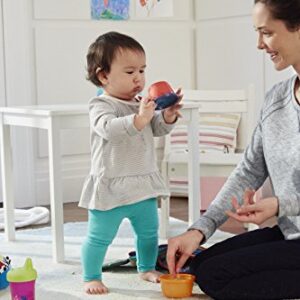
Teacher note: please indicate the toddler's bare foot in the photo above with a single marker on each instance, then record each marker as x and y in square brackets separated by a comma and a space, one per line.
[95, 287]
[152, 276]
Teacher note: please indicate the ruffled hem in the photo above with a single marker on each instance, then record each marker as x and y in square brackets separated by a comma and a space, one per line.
[106, 193]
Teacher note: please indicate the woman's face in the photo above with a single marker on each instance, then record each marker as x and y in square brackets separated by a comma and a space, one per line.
[282, 45]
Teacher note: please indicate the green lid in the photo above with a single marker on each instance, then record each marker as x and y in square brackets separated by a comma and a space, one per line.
[23, 274]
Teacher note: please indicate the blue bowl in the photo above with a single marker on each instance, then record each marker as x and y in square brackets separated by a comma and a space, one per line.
[3, 282]
[165, 101]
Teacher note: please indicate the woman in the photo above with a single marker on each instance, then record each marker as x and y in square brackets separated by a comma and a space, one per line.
[265, 263]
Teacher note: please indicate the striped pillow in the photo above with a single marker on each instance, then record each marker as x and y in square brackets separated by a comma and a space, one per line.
[217, 133]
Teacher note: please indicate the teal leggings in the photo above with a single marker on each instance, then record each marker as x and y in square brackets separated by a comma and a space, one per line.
[103, 227]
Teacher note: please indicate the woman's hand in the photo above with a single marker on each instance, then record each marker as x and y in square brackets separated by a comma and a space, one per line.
[171, 113]
[251, 212]
[182, 246]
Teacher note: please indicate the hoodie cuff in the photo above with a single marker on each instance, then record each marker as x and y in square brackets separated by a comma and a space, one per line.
[206, 226]
[288, 206]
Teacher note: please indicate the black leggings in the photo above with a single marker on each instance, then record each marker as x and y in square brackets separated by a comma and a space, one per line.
[256, 265]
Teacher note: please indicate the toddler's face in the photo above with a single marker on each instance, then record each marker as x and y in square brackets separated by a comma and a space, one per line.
[127, 75]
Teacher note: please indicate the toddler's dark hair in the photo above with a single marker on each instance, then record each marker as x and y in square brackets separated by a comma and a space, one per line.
[102, 52]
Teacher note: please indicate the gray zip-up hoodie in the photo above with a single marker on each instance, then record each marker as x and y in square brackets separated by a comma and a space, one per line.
[274, 151]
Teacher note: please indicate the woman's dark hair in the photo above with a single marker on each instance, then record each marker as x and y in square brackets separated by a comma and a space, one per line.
[102, 52]
[287, 11]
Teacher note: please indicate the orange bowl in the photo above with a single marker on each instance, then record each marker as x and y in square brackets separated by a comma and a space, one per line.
[177, 286]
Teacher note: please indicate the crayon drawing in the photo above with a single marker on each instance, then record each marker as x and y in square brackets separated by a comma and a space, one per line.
[154, 8]
[109, 9]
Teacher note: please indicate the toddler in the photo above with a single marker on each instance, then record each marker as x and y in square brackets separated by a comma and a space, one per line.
[124, 180]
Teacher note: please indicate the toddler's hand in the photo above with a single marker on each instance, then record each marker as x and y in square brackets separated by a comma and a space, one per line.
[146, 113]
[171, 113]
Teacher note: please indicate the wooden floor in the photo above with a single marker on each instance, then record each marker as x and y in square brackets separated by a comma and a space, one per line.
[178, 209]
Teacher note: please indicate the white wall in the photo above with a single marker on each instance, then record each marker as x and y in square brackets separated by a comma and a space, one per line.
[2, 67]
[42, 61]
[19, 90]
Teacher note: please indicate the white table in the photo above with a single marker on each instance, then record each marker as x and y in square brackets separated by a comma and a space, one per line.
[53, 118]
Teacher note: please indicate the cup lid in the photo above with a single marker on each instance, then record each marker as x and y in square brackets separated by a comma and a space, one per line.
[159, 88]
[22, 274]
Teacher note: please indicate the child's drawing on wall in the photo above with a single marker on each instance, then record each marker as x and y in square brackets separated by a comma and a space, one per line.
[154, 8]
[109, 9]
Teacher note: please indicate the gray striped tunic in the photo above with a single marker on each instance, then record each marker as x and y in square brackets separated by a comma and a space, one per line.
[274, 151]
[123, 160]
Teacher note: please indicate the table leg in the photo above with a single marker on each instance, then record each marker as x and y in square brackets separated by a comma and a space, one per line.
[164, 217]
[56, 199]
[164, 204]
[7, 181]
[194, 199]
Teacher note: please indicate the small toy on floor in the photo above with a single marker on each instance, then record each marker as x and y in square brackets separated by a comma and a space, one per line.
[163, 95]
[4, 268]
[161, 262]
[22, 281]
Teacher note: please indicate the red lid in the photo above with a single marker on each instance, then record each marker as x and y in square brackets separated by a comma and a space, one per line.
[159, 88]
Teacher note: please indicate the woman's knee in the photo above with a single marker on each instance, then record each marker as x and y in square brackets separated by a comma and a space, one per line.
[204, 273]
[212, 275]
